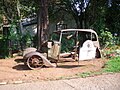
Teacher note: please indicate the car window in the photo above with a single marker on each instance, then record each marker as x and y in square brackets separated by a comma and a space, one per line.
[94, 38]
[67, 41]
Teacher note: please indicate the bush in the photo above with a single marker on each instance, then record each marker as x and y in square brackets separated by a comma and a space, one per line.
[111, 51]
[106, 39]
[10, 42]
[27, 40]
[4, 49]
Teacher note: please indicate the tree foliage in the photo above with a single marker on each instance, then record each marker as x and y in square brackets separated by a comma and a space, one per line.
[100, 15]
[9, 9]
[86, 13]
[113, 17]
[76, 8]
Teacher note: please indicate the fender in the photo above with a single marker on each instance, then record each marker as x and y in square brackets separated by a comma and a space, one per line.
[28, 50]
[45, 60]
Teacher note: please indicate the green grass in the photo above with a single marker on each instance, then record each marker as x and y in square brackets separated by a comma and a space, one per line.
[87, 74]
[113, 65]
[84, 74]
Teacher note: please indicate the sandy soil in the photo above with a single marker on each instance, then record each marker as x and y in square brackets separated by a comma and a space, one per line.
[14, 69]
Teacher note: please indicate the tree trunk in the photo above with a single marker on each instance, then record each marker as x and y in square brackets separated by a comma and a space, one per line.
[43, 23]
[20, 23]
[79, 21]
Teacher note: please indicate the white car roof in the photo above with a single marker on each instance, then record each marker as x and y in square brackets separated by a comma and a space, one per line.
[84, 30]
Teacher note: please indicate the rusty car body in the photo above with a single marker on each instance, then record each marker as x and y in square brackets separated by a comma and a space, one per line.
[65, 45]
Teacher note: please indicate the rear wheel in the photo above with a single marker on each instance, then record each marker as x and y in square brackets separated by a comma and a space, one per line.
[35, 62]
[98, 55]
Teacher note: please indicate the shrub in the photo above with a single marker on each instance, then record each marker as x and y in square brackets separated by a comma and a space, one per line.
[111, 51]
[106, 38]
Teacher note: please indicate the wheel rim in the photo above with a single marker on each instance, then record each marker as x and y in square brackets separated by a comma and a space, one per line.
[34, 62]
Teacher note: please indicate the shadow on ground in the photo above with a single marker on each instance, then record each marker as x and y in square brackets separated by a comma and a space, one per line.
[24, 67]
[69, 66]
[21, 67]
[19, 60]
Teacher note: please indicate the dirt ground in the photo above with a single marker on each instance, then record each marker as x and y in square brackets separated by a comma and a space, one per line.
[14, 69]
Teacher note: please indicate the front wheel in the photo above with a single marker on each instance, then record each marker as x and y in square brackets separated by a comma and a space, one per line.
[35, 62]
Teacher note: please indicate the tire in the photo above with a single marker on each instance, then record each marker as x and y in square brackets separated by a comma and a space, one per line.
[35, 62]
[98, 55]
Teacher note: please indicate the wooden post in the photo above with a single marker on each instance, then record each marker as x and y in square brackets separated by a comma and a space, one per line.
[6, 34]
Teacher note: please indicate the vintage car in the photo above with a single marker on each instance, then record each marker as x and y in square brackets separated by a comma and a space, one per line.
[64, 45]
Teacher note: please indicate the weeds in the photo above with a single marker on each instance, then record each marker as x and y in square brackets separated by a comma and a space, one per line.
[113, 65]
